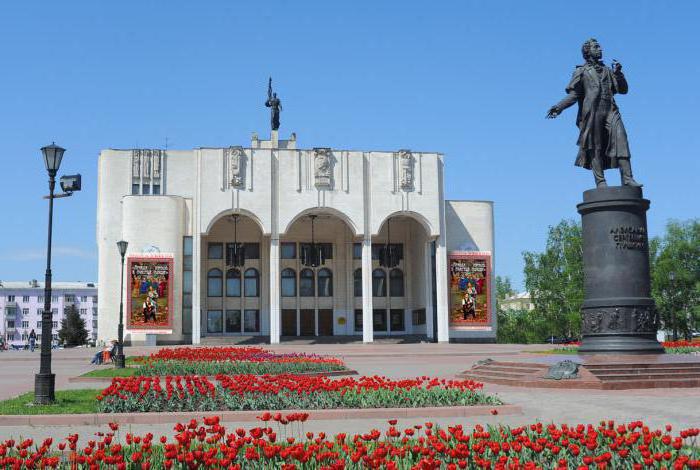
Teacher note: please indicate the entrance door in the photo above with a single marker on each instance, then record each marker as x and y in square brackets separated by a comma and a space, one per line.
[289, 322]
[307, 323]
[233, 321]
[325, 322]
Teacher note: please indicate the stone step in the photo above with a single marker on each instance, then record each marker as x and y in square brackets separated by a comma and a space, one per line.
[519, 364]
[649, 376]
[490, 379]
[500, 367]
[668, 365]
[669, 370]
[653, 383]
[495, 374]
[537, 382]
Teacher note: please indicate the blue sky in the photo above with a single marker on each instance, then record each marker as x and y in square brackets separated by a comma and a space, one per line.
[471, 79]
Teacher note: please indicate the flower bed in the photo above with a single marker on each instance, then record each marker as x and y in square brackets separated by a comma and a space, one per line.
[234, 360]
[671, 347]
[211, 445]
[682, 347]
[281, 392]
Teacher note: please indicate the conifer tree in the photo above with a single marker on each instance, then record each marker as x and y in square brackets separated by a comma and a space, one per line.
[73, 331]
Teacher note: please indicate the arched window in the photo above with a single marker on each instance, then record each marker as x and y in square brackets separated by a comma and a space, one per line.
[214, 282]
[396, 283]
[289, 283]
[233, 283]
[251, 282]
[378, 283]
[306, 283]
[357, 281]
[325, 283]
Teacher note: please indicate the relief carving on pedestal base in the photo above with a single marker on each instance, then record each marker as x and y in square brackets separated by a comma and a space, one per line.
[640, 319]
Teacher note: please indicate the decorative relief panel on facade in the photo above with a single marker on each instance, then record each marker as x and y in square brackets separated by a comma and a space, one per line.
[323, 168]
[156, 163]
[236, 162]
[146, 163]
[135, 164]
[406, 170]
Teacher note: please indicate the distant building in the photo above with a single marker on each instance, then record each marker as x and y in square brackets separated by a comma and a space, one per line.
[520, 301]
[22, 304]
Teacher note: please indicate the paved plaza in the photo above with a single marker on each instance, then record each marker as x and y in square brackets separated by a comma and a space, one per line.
[657, 407]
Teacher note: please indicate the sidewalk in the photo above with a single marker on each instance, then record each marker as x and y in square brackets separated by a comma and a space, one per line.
[656, 407]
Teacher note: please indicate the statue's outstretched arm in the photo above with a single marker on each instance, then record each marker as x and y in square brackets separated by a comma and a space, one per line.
[556, 110]
[568, 100]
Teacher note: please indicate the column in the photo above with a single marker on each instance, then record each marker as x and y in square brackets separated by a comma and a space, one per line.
[367, 318]
[428, 286]
[443, 310]
[196, 287]
[274, 290]
[197, 256]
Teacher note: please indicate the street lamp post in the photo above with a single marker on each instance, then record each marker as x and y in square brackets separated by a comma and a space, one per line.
[119, 358]
[44, 381]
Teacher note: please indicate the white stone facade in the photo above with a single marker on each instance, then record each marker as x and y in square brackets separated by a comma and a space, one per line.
[170, 200]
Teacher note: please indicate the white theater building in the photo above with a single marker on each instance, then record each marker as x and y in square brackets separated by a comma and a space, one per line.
[181, 204]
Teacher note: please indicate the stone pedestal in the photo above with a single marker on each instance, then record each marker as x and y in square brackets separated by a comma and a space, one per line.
[619, 315]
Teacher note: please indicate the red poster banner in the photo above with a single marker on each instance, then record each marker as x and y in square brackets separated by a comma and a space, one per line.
[470, 288]
[150, 293]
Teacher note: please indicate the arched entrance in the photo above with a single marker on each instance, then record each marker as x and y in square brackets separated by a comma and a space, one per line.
[402, 277]
[315, 291]
[234, 258]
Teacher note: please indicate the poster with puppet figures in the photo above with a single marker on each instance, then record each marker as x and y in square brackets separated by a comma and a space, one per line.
[149, 293]
[470, 288]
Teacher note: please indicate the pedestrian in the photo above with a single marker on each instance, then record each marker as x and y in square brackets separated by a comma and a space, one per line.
[32, 340]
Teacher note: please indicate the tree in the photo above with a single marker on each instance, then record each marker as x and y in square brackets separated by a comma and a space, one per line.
[554, 279]
[503, 288]
[72, 332]
[675, 276]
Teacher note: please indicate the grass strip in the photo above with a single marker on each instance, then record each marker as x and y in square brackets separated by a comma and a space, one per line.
[77, 401]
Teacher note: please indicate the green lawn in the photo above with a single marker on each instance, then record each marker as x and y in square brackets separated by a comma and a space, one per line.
[67, 401]
[111, 371]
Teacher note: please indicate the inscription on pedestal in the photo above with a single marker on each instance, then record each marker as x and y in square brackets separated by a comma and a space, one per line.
[629, 237]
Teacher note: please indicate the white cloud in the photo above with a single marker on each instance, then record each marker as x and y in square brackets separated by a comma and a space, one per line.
[57, 251]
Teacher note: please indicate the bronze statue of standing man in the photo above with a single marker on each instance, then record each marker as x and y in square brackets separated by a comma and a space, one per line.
[602, 140]
[275, 106]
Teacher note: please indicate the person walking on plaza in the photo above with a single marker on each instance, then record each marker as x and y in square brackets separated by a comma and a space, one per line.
[32, 340]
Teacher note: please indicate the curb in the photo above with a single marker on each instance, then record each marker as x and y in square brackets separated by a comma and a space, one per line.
[337, 373]
[251, 416]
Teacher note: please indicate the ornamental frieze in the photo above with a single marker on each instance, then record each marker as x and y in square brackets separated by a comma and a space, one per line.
[406, 170]
[641, 319]
[235, 158]
[323, 168]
